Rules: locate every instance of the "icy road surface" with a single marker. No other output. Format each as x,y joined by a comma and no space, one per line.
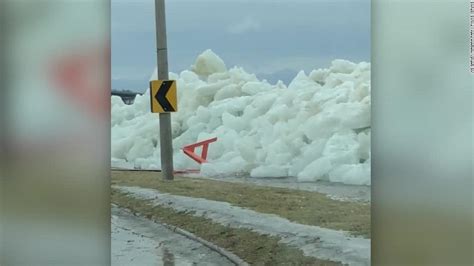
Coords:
139,241
314,241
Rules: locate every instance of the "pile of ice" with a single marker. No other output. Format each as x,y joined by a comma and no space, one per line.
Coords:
316,128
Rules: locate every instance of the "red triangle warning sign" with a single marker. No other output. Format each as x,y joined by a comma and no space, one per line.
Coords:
189,150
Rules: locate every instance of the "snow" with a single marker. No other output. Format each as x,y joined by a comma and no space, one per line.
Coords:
316,128
314,241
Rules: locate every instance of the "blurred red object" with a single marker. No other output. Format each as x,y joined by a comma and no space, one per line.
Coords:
83,76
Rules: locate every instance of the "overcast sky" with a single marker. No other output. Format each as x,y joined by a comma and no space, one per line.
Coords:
272,38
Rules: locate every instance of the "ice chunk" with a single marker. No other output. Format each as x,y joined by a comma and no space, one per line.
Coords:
229,91
364,145
356,174
141,148
316,170
235,166
269,171
342,66
254,87
208,63
342,148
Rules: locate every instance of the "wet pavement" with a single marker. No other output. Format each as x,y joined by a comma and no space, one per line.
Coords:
139,241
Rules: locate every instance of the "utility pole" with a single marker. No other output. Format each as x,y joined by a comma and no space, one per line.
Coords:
166,139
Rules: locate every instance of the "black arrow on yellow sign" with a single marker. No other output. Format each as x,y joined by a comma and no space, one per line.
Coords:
163,96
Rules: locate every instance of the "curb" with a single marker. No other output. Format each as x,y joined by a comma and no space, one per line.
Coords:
229,255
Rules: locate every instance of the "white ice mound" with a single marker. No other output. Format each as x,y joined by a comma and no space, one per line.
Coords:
317,128
208,63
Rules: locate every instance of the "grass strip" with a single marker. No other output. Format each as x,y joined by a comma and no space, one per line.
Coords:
305,207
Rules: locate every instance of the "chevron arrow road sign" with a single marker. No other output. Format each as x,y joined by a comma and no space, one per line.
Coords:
163,96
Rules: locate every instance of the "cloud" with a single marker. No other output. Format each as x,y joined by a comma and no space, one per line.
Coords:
244,26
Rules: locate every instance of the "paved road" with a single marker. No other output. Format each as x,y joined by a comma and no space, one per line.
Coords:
139,241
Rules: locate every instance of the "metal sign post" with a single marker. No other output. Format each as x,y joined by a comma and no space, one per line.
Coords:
165,118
